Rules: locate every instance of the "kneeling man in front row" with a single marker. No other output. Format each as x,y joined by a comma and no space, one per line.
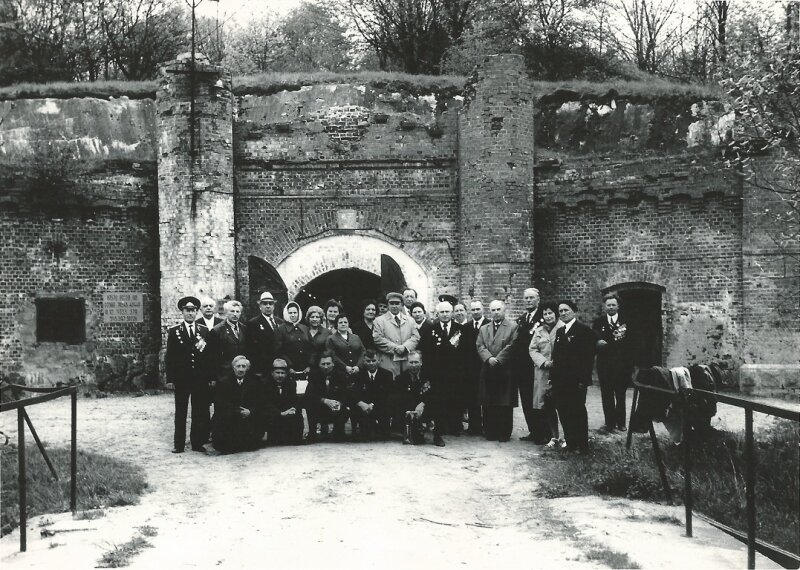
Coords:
284,408
240,419
415,404
370,399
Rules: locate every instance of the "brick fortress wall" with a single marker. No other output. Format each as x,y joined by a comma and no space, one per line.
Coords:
357,160
93,232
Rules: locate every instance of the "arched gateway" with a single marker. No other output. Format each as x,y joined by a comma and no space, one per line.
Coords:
346,266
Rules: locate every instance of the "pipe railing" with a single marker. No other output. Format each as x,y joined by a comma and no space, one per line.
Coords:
786,559
22,419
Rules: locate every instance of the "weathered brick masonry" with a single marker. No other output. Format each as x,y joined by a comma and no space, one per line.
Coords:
479,196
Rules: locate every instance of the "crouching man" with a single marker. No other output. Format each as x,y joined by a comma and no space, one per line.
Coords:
326,398
240,419
285,410
371,391
414,403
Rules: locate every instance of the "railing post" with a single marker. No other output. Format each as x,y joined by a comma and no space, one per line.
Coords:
750,491
22,477
634,402
687,468
73,454
662,470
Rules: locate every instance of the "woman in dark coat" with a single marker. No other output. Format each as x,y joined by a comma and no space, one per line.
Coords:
363,328
315,318
347,347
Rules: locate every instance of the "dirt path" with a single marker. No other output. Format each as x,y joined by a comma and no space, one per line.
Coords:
380,505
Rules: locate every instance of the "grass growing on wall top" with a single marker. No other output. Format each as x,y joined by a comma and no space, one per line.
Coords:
80,89
441,85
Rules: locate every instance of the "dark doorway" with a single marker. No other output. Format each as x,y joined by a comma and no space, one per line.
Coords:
264,277
348,286
640,306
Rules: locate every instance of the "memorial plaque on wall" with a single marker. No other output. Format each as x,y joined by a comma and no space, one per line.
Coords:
123,307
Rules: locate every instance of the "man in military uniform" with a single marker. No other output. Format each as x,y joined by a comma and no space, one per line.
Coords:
614,362
186,374
414,402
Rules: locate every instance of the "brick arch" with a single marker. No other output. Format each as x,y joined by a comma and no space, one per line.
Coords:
344,251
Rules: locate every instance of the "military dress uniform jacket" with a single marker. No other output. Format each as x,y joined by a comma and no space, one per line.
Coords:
224,345
410,391
497,386
614,360
186,365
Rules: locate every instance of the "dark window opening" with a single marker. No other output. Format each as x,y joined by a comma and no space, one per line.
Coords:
61,320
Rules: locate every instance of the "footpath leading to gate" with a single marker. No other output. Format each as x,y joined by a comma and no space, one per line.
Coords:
379,505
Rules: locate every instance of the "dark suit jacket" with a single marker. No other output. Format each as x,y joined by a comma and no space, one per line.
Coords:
614,360
224,346
443,362
335,387
497,386
376,392
227,421
472,362
573,357
217,320
408,392
526,325
262,343
185,364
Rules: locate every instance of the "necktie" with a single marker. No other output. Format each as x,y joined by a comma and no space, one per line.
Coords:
496,326
191,332
475,325
235,329
397,319
272,323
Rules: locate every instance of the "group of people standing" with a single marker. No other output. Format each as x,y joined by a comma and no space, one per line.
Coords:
392,369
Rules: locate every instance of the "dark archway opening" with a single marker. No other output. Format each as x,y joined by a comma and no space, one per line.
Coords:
348,286
640,306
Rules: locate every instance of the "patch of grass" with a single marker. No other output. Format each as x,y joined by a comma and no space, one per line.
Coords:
80,89
718,474
444,86
121,554
611,558
102,482
148,531
667,519
89,515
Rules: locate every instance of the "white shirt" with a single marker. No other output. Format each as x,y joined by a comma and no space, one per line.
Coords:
568,326
612,319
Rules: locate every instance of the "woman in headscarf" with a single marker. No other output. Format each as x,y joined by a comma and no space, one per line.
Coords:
293,342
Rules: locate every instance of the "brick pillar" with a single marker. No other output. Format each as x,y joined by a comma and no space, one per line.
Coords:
496,182
195,193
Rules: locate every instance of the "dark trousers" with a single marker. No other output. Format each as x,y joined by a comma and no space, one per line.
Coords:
539,425
201,420
322,414
498,421
525,383
378,421
612,391
571,405
286,430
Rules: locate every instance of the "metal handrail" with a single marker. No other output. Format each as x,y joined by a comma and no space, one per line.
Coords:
22,419
785,558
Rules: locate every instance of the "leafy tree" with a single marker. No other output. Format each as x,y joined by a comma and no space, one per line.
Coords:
314,39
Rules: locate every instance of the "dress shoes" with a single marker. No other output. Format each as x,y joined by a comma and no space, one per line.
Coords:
199,448
438,441
177,450
528,437
621,427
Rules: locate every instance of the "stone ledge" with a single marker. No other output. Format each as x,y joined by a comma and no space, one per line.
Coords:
769,378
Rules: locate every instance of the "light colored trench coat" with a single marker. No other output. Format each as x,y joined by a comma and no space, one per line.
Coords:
541,350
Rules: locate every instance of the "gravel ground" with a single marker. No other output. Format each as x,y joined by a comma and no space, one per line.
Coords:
366,505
